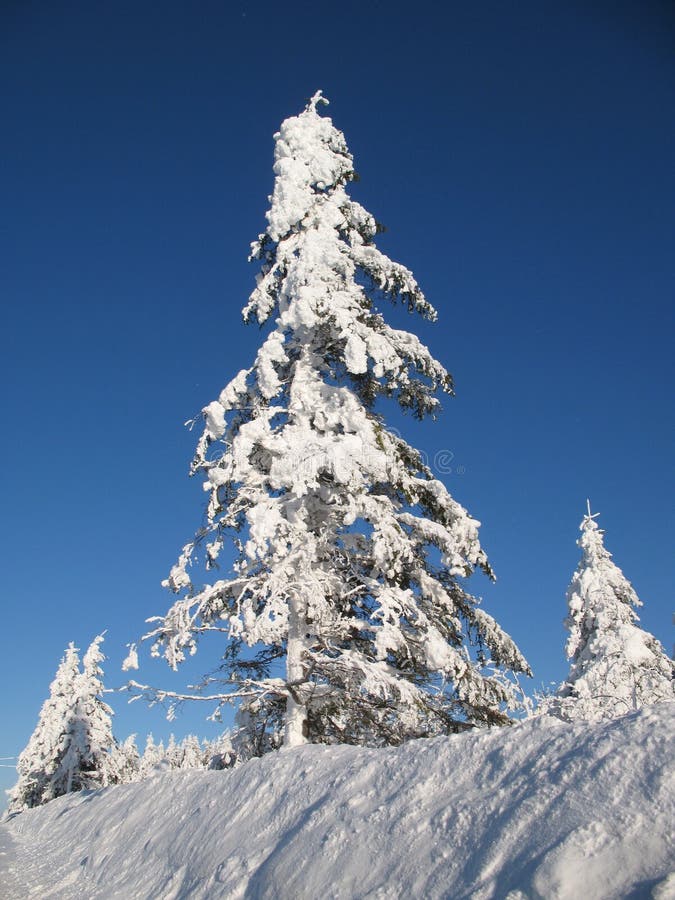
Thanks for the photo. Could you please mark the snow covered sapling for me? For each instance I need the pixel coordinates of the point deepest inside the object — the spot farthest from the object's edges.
(616, 665)
(71, 745)
(346, 615)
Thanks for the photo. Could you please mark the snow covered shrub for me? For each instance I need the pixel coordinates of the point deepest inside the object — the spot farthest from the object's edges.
(346, 613)
(616, 665)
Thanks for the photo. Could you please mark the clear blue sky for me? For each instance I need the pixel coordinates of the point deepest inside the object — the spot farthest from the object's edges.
(521, 156)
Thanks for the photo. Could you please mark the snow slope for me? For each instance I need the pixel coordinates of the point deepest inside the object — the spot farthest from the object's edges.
(542, 809)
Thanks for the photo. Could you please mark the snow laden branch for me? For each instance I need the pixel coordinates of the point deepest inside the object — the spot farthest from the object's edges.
(344, 607)
(248, 690)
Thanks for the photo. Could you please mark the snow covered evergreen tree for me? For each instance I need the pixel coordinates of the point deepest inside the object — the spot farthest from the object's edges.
(184, 754)
(173, 753)
(70, 747)
(98, 718)
(125, 761)
(346, 612)
(193, 756)
(616, 665)
(220, 753)
(37, 761)
(153, 760)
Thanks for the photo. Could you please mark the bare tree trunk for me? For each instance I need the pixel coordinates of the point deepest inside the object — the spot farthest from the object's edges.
(296, 730)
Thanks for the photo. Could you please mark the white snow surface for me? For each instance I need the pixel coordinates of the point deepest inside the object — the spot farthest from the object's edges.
(543, 809)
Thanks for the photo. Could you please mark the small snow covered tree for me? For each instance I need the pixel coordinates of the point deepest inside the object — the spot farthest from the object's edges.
(154, 759)
(173, 753)
(351, 556)
(125, 761)
(70, 747)
(83, 762)
(98, 718)
(37, 762)
(193, 756)
(185, 754)
(220, 753)
(616, 665)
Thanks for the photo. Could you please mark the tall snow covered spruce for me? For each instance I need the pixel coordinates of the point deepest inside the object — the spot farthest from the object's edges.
(350, 554)
(71, 747)
(616, 665)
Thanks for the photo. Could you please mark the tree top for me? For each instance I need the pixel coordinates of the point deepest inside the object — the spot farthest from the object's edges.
(313, 101)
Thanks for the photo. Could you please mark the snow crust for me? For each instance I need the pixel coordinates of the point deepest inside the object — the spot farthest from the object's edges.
(542, 809)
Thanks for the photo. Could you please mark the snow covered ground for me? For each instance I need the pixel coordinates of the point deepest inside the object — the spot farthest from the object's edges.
(540, 810)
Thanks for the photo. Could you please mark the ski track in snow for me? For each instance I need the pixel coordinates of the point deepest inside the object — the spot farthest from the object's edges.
(539, 810)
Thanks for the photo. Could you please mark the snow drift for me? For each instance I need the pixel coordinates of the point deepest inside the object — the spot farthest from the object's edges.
(542, 809)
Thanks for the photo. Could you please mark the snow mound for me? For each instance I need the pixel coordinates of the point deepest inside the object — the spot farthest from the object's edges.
(544, 809)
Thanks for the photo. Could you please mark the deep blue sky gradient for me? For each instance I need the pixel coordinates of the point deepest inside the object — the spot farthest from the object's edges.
(521, 157)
